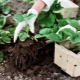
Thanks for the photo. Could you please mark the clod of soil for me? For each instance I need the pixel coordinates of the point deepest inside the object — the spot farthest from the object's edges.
(27, 54)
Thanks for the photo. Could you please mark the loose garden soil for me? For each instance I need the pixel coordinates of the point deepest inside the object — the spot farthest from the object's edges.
(29, 60)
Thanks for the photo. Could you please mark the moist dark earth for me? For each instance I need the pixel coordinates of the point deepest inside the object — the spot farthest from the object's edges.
(29, 60)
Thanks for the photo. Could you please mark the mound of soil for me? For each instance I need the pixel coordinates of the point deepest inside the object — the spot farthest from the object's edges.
(30, 52)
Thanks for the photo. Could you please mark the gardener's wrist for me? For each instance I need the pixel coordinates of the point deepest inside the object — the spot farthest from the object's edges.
(39, 6)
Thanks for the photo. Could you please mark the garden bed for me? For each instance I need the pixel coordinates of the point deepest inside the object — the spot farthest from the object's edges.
(41, 66)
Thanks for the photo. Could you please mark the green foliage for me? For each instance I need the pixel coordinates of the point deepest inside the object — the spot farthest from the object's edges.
(6, 9)
(46, 31)
(63, 34)
(25, 34)
(4, 37)
(29, 1)
(74, 23)
(1, 56)
(19, 17)
(62, 22)
(11, 31)
(2, 21)
(56, 6)
(3, 2)
(48, 19)
(3, 7)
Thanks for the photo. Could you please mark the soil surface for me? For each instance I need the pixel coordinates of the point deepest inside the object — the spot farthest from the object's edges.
(29, 60)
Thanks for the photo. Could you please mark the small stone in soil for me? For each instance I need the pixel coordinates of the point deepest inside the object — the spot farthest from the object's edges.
(45, 67)
(30, 72)
(39, 78)
(36, 68)
(43, 72)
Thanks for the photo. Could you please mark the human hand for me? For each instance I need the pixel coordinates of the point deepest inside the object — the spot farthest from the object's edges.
(23, 24)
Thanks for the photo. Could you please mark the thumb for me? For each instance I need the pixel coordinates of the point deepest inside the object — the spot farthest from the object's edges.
(20, 26)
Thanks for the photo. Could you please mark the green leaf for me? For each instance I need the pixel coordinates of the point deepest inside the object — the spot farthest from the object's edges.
(27, 29)
(11, 31)
(38, 36)
(54, 37)
(3, 2)
(73, 23)
(62, 22)
(46, 20)
(68, 32)
(78, 33)
(2, 21)
(62, 35)
(23, 36)
(6, 32)
(46, 31)
(1, 42)
(32, 2)
(18, 18)
(58, 15)
(6, 39)
(6, 9)
(25, 0)
(1, 59)
(56, 6)
(1, 54)
(29, 1)
(75, 39)
(55, 28)
(28, 16)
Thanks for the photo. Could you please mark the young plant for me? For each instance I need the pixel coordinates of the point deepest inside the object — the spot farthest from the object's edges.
(3, 7)
(3, 20)
(25, 34)
(48, 19)
(4, 37)
(19, 18)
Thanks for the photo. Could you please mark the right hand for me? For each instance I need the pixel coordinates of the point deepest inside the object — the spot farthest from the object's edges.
(23, 24)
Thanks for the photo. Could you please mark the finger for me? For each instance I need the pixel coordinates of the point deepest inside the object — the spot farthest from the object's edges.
(18, 30)
(32, 29)
(15, 37)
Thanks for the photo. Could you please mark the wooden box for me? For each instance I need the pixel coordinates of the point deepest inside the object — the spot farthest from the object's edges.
(67, 60)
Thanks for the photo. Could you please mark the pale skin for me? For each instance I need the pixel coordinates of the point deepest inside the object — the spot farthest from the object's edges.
(39, 5)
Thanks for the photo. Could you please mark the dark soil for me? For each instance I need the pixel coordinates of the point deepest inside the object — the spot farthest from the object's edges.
(29, 60)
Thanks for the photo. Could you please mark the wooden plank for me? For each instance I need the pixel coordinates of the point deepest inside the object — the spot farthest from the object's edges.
(77, 71)
(73, 60)
(70, 68)
(61, 49)
(60, 62)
